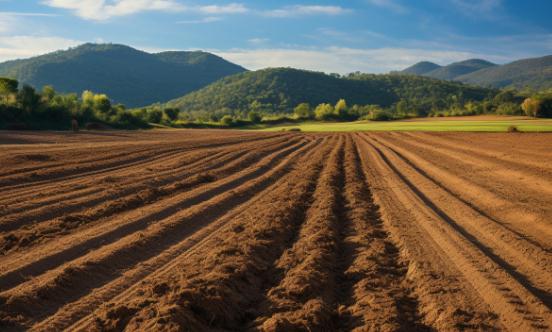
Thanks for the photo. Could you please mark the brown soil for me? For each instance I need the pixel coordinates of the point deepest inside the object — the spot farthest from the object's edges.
(203, 230)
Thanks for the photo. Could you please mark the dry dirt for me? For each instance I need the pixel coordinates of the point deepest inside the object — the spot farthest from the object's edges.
(236, 231)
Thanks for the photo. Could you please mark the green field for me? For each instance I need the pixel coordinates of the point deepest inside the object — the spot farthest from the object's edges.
(482, 124)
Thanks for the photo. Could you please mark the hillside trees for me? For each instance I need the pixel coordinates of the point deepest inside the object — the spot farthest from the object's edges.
(25, 108)
(538, 106)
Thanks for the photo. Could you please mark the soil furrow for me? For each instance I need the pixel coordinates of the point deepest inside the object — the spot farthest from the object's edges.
(125, 197)
(527, 265)
(514, 300)
(111, 165)
(511, 158)
(112, 259)
(373, 293)
(120, 290)
(535, 235)
(304, 297)
(447, 300)
(183, 296)
(97, 237)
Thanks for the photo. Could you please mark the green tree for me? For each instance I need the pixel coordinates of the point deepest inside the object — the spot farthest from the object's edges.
(227, 120)
(324, 112)
(303, 111)
(171, 113)
(402, 106)
(48, 93)
(341, 110)
(530, 106)
(8, 86)
(8, 90)
(154, 115)
(102, 103)
(87, 99)
(254, 117)
(508, 109)
(28, 99)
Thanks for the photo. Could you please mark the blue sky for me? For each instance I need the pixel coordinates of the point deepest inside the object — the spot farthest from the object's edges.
(331, 36)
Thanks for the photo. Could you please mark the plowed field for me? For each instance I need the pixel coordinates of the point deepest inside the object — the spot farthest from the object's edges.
(237, 231)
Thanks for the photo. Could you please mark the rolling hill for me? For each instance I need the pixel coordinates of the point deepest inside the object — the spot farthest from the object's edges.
(128, 76)
(535, 73)
(456, 69)
(421, 68)
(281, 89)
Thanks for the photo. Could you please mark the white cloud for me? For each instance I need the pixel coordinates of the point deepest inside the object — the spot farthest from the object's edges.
(342, 60)
(16, 47)
(11, 21)
(7, 22)
(233, 8)
(304, 10)
(258, 40)
(208, 19)
(389, 4)
(102, 10)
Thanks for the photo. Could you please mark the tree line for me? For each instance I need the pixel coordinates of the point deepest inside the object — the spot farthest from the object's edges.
(25, 108)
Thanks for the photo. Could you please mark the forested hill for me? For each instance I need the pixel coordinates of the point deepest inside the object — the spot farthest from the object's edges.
(535, 73)
(421, 68)
(127, 75)
(452, 71)
(281, 89)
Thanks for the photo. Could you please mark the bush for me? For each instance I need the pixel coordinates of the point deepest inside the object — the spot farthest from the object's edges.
(380, 115)
(508, 109)
(513, 129)
(227, 120)
(254, 117)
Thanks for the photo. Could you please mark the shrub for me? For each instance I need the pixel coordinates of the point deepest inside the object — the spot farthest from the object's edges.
(513, 129)
(380, 115)
(324, 112)
(508, 109)
(227, 120)
(254, 117)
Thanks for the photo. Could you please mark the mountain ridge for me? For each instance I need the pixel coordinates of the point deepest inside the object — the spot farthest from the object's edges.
(129, 76)
(533, 73)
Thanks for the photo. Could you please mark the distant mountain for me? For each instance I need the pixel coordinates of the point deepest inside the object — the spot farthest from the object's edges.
(449, 72)
(129, 76)
(456, 69)
(421, 68)
(281, 89)
(535, 73)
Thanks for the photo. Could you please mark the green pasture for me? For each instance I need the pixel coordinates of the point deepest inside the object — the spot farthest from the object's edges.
(499, 125)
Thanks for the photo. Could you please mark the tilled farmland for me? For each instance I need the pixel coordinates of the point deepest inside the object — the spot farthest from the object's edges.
(202, 230)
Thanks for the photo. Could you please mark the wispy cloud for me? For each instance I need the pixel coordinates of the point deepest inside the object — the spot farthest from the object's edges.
(392, 5)
(475, 6)
(257, 40)
(11, 21)
(14, 47)
(305, 10)
(100, 10)
(26, 14)
(203, 20)
(232, 8)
